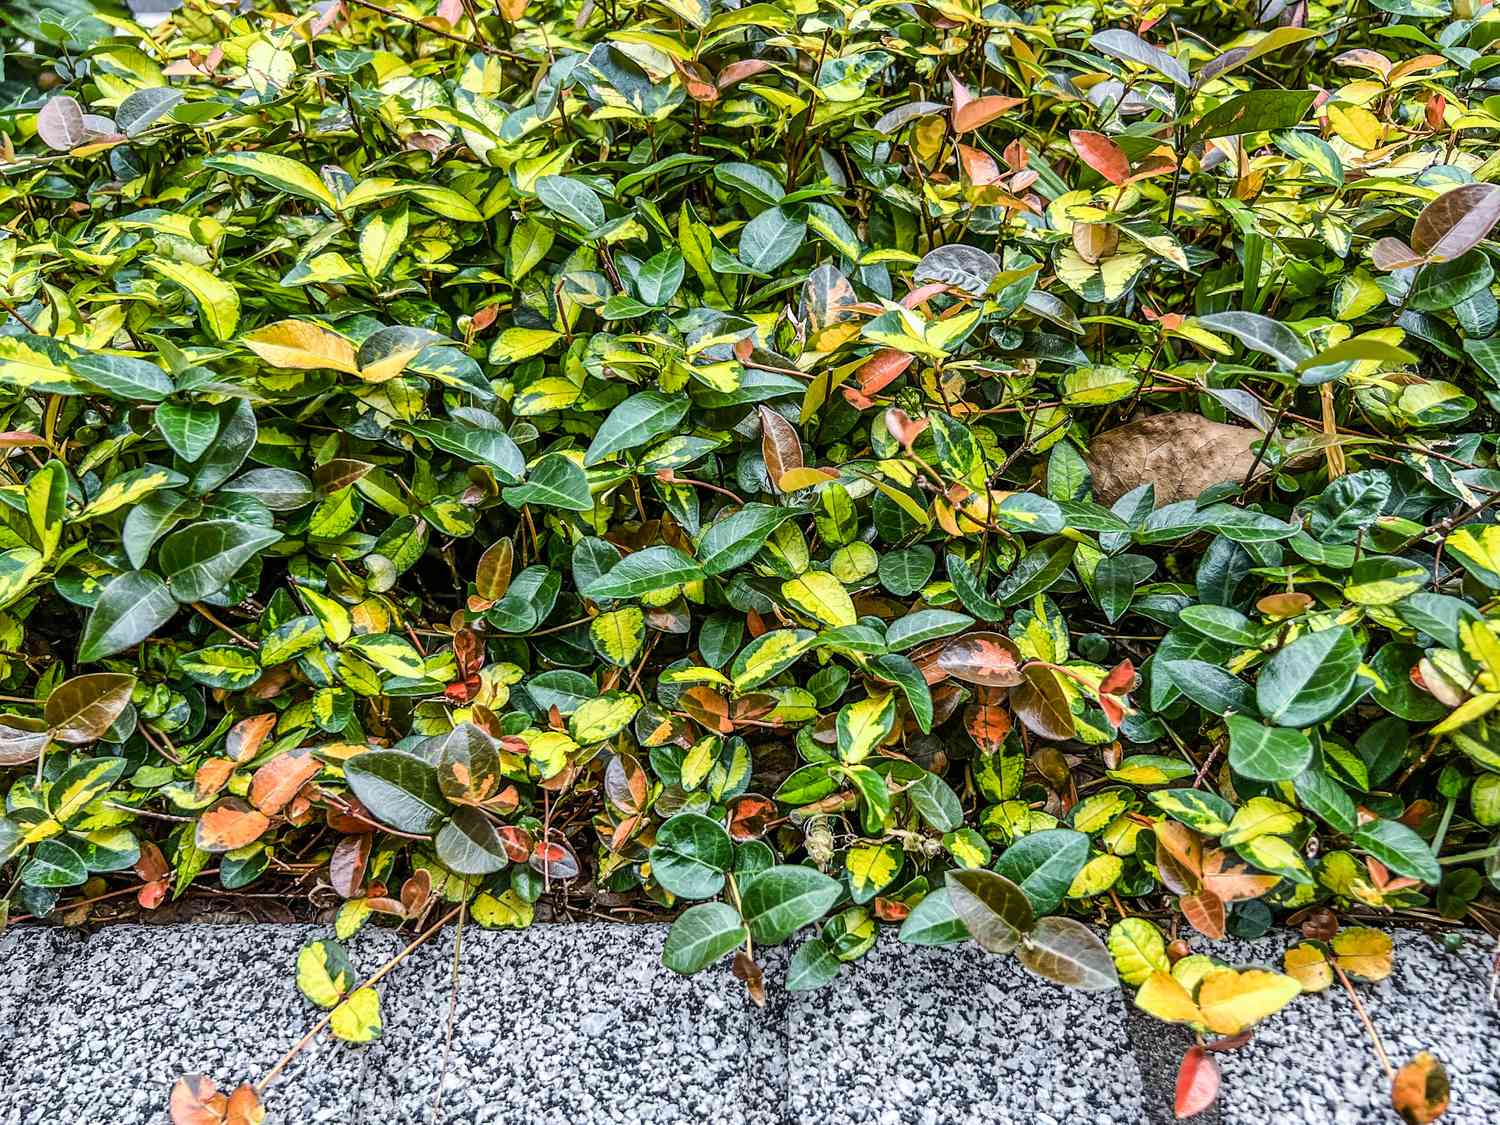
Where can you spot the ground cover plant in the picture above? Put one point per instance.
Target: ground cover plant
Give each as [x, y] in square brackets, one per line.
[793, 468]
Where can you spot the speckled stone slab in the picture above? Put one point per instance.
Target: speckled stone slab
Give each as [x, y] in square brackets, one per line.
[559, 1025]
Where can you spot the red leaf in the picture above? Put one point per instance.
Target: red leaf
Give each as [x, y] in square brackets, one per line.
[882, 369]
[1101, 154]
[516, 842]
[346, 867]
[750, 815]
[1197, 1083]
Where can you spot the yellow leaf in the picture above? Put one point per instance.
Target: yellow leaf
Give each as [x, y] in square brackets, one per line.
[1233, 1001]
[1357, 125]
[357, 1019]
[871, 868]
[505, 911]
[603, 717]
[1138, 949]
[1308, 966]
[1364, 953]
[1163, 997]
[1261, 816]
[821, 596]
[794, 480]
[302, 346]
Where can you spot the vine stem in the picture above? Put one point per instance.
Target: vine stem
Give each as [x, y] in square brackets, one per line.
[372, 979]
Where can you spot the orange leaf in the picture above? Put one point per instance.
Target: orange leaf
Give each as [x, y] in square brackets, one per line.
[1420, 1091]
[230, 824]
[981, 111]
[245, 1107]
[247, 735]
[279, 780]
[196, 1100]
[1101, 154]
[1204, 912]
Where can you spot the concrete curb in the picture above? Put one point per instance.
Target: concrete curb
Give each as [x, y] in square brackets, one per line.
[580, 1024]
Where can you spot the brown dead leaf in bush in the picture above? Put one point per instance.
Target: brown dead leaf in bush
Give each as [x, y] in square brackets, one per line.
[1180, 453]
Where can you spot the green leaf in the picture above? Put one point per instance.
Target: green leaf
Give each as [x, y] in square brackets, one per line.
[572, 199]
[189, 428]
[643, 572]
[556, 481]
[1257, 111]
[770, 238]
[1262, 334]
[279, 172]
[1264, 753]
[1044, 865]
[634, 422]
[476, 444]
[731, 542]
[467, 844]
[54, 864]
[935, 799]
[691, 855]
[132, 607]
[1400, 849]
[200, 559]
[1306, 681]
[399, 789]
[781, 900]
[134, 380]
[218, 301]
[702, 934]
[812, 966]
[933, 921]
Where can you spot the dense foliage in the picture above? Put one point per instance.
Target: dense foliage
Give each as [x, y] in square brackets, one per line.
[829, 462]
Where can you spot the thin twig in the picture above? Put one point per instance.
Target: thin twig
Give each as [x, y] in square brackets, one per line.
[1364, 1018]
[368, 982]
[458, 946]
[441, 34]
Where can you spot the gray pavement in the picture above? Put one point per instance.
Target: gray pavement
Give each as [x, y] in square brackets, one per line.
[579, 1025]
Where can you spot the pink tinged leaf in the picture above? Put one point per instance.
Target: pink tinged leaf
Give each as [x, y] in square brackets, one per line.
[978, 166]
[60, 123]
[741, 70]
[1456, 222]
[1393, 254]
